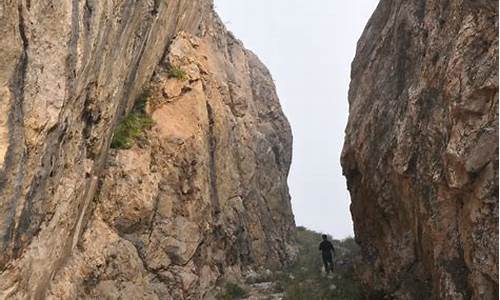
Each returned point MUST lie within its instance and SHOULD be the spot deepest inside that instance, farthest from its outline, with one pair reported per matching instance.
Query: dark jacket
(326, 248)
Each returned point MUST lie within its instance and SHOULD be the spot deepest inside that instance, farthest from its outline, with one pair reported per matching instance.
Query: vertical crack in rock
(212, 148)
(13, 173)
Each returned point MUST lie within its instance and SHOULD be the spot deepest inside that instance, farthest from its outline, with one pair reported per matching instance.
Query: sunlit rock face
(201, 197)
(421, 150)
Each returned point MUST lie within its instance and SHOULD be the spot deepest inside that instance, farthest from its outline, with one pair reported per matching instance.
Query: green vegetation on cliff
(233, 291)
(177, 72)
(133, 125)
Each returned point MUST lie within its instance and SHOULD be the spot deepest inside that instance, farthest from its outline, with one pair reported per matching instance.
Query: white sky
(308, 46)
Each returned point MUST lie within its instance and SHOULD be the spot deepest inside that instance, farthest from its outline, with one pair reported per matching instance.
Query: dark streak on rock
(212, 148)
(16, 154)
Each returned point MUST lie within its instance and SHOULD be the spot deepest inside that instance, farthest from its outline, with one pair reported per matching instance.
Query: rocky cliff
(421, 150)
(197, 198)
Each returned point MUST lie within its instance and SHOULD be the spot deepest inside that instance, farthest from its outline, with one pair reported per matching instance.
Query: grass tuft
(133, 125)
(233, 291)
(177, 72)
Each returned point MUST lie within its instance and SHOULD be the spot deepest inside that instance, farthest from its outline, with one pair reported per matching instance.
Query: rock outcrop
(421, 150)
(199, 198)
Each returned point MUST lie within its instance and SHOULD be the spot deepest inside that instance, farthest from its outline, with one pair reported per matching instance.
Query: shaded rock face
(421, 149)
(200, 198)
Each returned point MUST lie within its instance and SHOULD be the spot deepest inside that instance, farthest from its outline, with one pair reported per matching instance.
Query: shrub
(233, 291)
(177, 72)
(133, 125)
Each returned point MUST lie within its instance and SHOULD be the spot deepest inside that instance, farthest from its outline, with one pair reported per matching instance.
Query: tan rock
(68, 73)
(172, 88)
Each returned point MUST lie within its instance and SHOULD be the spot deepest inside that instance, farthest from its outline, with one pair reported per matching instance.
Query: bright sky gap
(308, 45)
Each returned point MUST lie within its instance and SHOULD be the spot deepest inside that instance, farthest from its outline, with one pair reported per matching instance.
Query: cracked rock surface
(421, 150)
(194, 201)
(201, 197)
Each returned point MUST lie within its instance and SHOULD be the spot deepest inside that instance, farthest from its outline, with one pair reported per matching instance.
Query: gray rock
(421, 150)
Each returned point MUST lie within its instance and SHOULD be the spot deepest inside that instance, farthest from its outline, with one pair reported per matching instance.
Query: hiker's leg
(328, 263)
(325, 262)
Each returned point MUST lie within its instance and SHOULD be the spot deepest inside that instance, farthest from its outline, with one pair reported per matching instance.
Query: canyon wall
(421, 150)
(200, 197)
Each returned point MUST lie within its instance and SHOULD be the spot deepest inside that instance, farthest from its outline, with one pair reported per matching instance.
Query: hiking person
(327, 252)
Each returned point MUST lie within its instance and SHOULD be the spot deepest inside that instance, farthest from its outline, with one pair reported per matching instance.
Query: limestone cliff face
(200, 198)
(421, 149)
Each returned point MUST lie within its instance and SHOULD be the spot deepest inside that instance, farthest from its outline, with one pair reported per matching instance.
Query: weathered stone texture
(421, 149)
(201, 197)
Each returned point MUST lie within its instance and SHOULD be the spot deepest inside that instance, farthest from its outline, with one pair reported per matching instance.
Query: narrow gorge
(144, 154)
